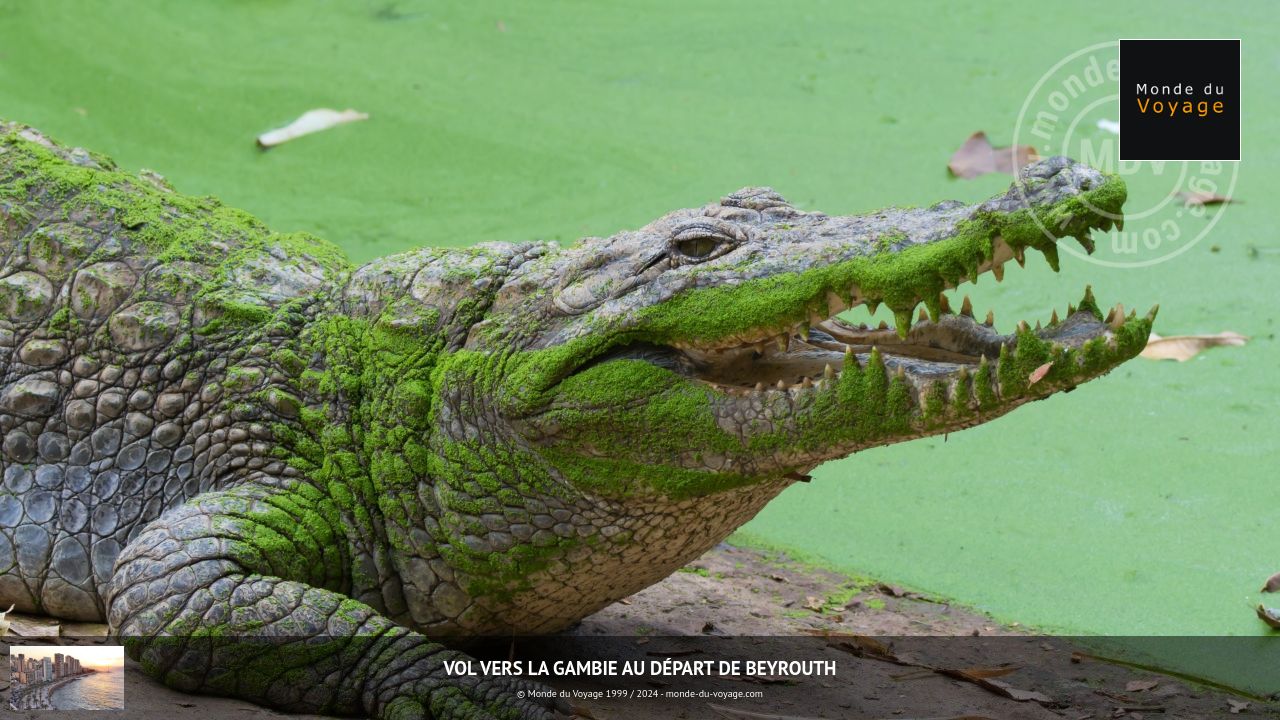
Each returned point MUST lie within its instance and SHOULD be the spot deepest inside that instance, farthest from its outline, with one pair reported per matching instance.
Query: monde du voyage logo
(1164, 115)
(1180, 100)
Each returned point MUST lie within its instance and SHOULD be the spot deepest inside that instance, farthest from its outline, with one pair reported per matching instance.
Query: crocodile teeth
(1053, 319)
(805, 382)
(1086, 242)
(923, 316)
(834, 304)
(967, 308)
(828, 372)
(903, 320)
(998, 271)
(759, 387)
(782, 385)
(1021, 256)
(991, 319)
(883, 325)
(1120, 223)
(1051, 256)
(1151, 314)
(1116, 318)
(943, 303)
(783, 342)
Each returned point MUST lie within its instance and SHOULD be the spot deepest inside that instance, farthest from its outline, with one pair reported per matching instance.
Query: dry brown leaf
(33, 626)
(977, 157)
(859, 645)
(1194, 197)
(1272, 584)
(1185, 347)
(1013, 693)
(1140, 685)
(813, 603)
(1270, 616)
(1237, 706)
(979, 673)
(1038, 374)
(311, 121)
(892, 590)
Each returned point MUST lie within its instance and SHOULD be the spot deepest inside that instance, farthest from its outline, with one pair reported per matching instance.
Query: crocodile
(281, 477)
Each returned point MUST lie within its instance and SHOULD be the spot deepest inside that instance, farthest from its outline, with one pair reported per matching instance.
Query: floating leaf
(1272, 584)
(977, 157)
(1270, 616)
(1195, 197)
(1185, 347)
(1038, 374)
(311, 121)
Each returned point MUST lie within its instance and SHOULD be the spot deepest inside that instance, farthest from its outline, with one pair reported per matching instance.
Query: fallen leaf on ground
(311, 121)
(1140, 685)
(1013, 693)
(977, 157)
(813, 603)
(1038, 374)
(33, 627)
(1194, 197)
(1270, 616)
(978, 673)
(893, 590)
(1237, 706)
(1185, 347)
(1272, 584)
(858, 645)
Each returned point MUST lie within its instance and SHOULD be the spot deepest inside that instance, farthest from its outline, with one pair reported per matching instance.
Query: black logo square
(1179, 99)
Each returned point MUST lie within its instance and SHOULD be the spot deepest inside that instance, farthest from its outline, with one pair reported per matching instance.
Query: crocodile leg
(224, 595)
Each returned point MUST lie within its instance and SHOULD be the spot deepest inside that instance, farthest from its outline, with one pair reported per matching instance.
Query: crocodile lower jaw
(951, 347)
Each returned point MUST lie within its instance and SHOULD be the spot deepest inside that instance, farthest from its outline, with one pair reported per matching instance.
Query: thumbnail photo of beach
(66, 677)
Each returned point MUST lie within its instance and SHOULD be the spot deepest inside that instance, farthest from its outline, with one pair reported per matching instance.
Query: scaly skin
(275, 475)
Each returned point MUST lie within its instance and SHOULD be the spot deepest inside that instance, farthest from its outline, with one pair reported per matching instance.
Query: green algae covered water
(1141, 504)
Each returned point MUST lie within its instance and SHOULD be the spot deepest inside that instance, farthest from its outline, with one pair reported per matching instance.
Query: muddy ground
(898, 656)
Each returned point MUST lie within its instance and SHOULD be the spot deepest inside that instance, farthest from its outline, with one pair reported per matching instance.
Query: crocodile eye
(703, 240)
(697, 248)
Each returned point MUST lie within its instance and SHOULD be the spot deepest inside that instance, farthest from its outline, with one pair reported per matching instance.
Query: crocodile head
(704, 351)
